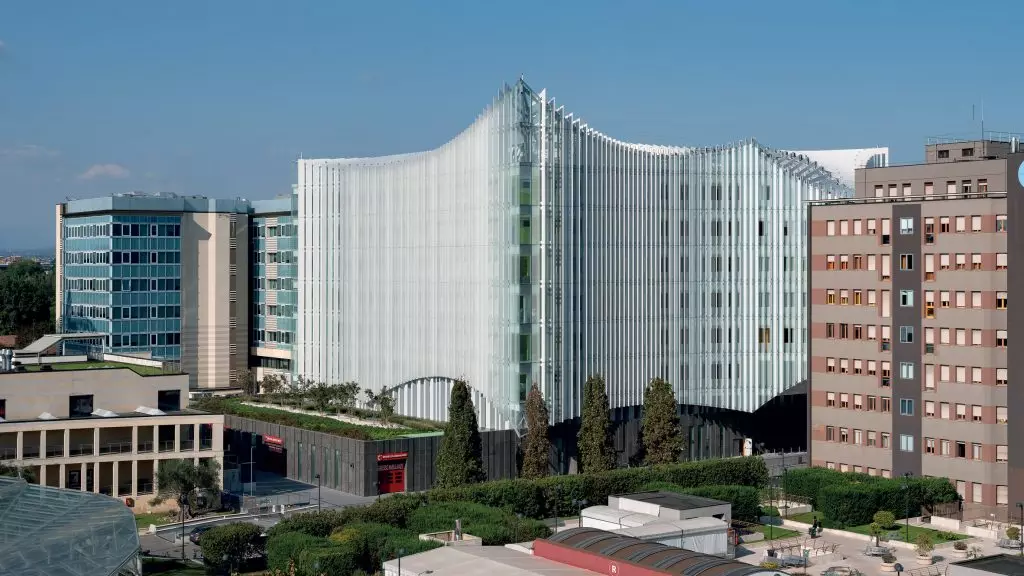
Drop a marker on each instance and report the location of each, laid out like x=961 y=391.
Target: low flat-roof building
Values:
x=999 y=564
x=102 y=427
x=672 y=505
x=479 y=561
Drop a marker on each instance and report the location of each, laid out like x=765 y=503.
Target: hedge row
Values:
x=745 y=500
x=850 y=499
x=564 y=495
x=358 y=548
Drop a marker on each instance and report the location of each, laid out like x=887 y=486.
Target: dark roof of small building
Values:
x=652 y=555
x=673 y=500
x=997 y=564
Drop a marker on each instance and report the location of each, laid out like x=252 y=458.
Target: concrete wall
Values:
x=351 y=465
x=121 y=390
x=214 y=297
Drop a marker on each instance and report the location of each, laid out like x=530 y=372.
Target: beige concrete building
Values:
x=908 y=289
x=102 y=430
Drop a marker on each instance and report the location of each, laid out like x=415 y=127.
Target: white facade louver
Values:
x=533 y=248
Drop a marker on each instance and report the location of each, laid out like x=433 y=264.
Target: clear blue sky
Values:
x=220 y=97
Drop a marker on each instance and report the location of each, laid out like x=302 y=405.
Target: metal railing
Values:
x=206 y=444
x=82 y=450
x=881 y=199
x=116 y=447
x=166 y=446
x=30 y=452
x=145 y=447
x=187 y=445
x=56 y=451
x=8 y=454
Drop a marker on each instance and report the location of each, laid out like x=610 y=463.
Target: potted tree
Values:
x=888 y=563
x=924 y=549
x=959 y=549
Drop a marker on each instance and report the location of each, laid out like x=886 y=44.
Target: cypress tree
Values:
x=660 y=433
x=536 y=446
x=460 y=459
x=596 y=450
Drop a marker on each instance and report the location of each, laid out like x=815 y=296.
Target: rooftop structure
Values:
x=593 y=549
x=480 y=561
x=52 y=532
x=999 y=564
x=672 y=505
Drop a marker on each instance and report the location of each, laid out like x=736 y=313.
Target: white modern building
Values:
x=534 y=248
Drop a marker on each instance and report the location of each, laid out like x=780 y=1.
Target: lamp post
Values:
x=1020 y=537
x=401 y=551
x=182 y=499
x=906 y=489
x=319 y=482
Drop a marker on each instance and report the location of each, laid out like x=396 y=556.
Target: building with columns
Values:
x=102 y=430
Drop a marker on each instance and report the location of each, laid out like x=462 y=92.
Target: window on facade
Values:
x=1001 y=377
x=1002 y=340
x=1001 y=223
x=885 y=440
x=906 y=407
x=1002 y=495
x=1001 y=261
x=1001 y=414
x=80 y=406
x=906 y=298
x=944 y=410
x=961 y=449
x=961 y=411
x=906 y=443
x=906 y=225
x=1002 y=453
x=830 y=433
x=907 y=370
x=929 y=408
x=906 y=261
x=975 y=451
x=906 y=334
x=975 y=413
x=929 y=445
x=168 y=400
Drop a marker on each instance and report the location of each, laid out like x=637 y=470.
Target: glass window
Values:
x=906 y=298
x=906 y=225
x=906 y=443
x=906 y=407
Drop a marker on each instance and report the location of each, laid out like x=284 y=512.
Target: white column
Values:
x=42 y=453
x=135 y=479
x=63 y=476
x=195 y=437
x=95 y=441
x=19 y=449
x=114 y=479
x=84 y=467
x=156 y=439
x=42 y=475
x=67 y=442
x=135 y=440
x=96 y=476
x=177 y=438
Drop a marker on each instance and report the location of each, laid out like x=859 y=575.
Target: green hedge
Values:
x=850 y=499
x=240 y=542
x=545 y=497
x=285 y=547
x=745 y=500
x=494 y=527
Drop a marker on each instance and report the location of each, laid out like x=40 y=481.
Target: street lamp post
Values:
x=182 y=499
x=401 y=551
x=906 y=488
x=319 y=482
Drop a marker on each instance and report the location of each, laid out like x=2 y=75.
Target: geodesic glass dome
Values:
x=53 y=532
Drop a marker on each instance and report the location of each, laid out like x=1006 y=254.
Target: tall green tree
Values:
x=597 y=453
x=346 y=393
x=27 y=293
x=321 y=394
x=662 y=439
x=383 y=402
x=248 y=383
x=460 y=459
x=536 y=446
x=182 y=481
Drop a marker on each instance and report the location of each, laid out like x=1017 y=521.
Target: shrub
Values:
x=852 y=499
x=960 y=545
x=924 y=544
x=889 y=559
x=884 y=519
x=769 y=565
x=770 y=511
x=238 y=542
x=320 y=524
x=329 y=559
x=495 y=527
x=1013 y=533
x=284 y=548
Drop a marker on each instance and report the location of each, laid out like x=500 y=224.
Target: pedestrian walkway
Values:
x=849 y=552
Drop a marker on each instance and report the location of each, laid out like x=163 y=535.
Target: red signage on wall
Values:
x=392 y=456
x=268 y=439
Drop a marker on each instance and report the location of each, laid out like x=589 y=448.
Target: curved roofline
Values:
x=799 y=161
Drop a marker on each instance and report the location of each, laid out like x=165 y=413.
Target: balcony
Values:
x=166 y=446
x=145 y=446
x=116 y=448
x=55 y=451
x=30 y=452
x=81 y=450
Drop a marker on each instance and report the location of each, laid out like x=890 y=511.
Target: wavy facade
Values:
x=533 y=248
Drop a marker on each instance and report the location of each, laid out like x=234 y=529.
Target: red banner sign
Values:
x=268 y=439
x=393 y=466
x=390 y=456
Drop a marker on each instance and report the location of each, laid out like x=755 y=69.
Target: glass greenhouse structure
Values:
x=53 y=532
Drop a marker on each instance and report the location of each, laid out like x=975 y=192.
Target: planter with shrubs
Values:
x=888 y=563
x=924 y=547
x=959 y=549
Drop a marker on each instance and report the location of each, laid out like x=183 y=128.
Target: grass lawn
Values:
x=304 y=421
x=140 y=370
x=776 y=532
x=936 y=536
x=144 y=520
x=805 y=517
x=168 y=567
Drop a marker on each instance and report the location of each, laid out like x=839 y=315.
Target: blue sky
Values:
x=220 y=97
